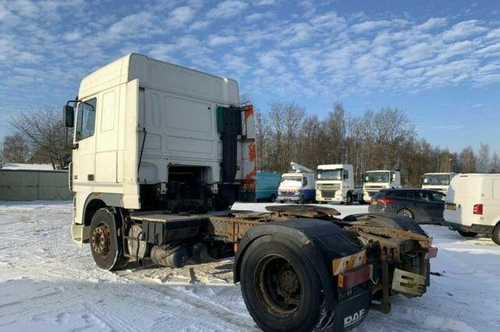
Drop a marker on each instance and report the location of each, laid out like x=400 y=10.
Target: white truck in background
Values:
x=335 y=184
x=437 y=181
x=473 y=205
x=377 y=180
x=297 y=186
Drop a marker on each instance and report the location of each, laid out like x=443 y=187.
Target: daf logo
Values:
x=354 y=318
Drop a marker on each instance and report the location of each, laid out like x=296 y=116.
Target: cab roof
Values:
x=161 y=76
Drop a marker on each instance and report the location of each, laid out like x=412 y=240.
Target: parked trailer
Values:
x=267 y=186
x=161 y=152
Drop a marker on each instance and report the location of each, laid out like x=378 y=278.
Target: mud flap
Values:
x=351 y=312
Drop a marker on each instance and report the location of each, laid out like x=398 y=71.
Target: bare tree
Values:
x=483 y=158
x=46 y=134
x=15 y=149
x=467 y=160
x=495 y=163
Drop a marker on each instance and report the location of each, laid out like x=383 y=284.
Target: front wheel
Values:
x=105 y=246
x=281 y=289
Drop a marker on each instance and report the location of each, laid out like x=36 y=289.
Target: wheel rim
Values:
x=278 y=285
x=101 y=240
x=407 y=214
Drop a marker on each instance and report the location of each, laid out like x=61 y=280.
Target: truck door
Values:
x=84 y=155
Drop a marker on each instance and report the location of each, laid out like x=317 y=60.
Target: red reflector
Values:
x=478 y=209
x=355 y=277
x=386 y=201
x=433 y=252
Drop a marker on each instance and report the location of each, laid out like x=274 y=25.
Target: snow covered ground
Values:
x=48 y=283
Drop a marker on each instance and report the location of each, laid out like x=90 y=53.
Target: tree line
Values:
x=384 y=139
x=38 y=138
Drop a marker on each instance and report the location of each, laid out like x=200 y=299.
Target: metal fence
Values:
x=31 y=185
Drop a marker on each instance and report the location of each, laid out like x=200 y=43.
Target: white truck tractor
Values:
x=437 y=181
x=297 y=185
x=377 y=180
x=161 y=152
x=335 y=184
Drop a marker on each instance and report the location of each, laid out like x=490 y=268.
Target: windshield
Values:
x=330 y=174
x=437 y=180
x=292 y=177
x=378 y=177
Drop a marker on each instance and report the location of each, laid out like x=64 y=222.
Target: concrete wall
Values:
x=30 y=185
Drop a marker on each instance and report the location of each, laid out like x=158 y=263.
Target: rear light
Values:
x=386 y=201
x=355 y=277
x=432 y=253
x=478 y=209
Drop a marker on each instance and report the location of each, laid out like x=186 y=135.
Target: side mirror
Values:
x=69 y=116
x=346 y=176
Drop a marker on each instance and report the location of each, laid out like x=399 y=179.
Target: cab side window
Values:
x=85 y=126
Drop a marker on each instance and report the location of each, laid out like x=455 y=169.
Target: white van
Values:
x=473 y=205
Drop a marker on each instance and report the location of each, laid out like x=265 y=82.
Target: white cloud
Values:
x=265 y=2
x=258 y=17
x=433 y=23
x=215 y=40
x=227 y=9
x=236 y=63
x=493 y=34
x=297 y=33
x=492 y=50
x=463 y=30
x=370 y=26
x=181 y=16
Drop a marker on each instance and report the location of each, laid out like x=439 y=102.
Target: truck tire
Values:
x=348 y=200
x=105 y=246
x=281 y=289
x=496 y=234
x=466 y=234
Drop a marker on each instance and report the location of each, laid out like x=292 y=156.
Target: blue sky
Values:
x=437 y=60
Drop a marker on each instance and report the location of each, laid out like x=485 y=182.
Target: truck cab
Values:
x=150 y=135
x=298 y=185
x=335 y=184
x=376 y=180
x=437 y=181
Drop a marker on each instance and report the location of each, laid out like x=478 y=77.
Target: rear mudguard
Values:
x=321 y=242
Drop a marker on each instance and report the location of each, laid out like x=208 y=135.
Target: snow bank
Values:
x=48 y=283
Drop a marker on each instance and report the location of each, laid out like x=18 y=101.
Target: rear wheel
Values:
x=467 y=234
x=281 y=289
x=406 y=213
x=105 y=246
x=496 y=234
x=349 y=199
